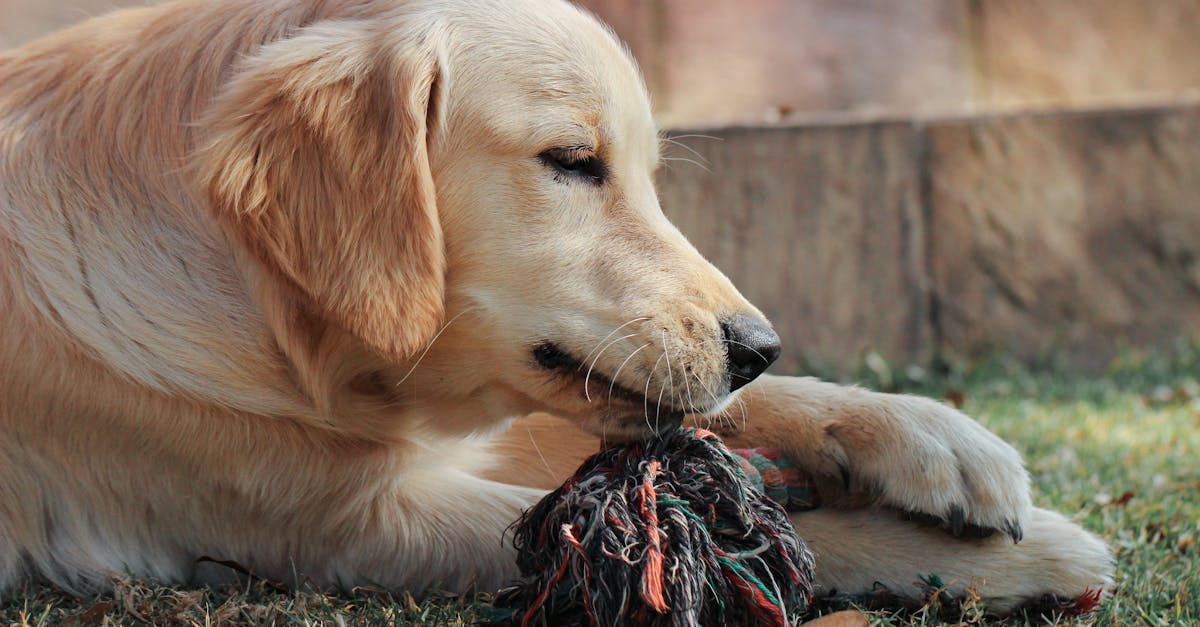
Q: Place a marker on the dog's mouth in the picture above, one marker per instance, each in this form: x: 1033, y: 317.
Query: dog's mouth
x: 599, y: 387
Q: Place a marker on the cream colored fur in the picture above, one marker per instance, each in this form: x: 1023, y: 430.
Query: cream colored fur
x: 272, y: 274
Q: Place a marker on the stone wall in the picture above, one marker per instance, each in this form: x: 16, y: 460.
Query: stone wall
x: 1069, y: 53
x: 1055, y: 235
x: 1066, y: 235
x: 716, y: 62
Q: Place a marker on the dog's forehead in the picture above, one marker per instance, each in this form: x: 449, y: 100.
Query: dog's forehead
x: 545, y: 67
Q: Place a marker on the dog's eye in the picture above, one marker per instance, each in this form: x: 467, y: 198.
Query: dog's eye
x: 576, y: 163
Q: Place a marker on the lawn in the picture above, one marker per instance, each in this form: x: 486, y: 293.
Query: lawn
x: 1121, y: 452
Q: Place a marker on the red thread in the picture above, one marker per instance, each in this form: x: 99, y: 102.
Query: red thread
x: 1086, y: 602
x: 652, y: 577
x: 558, y: 575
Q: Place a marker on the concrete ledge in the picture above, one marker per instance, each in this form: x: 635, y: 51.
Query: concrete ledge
x: 1061, y: 234
x: 1069, y: 234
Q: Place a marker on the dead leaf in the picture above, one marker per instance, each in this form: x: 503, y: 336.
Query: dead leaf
x: 848, y: 618
x: 1185, y: 544
x: 95, y: 614
x: 956, y: 398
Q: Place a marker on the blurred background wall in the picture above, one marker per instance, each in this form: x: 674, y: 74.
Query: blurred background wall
x: 753, y: 61
x: 922, y: 180
x: 24, y: 20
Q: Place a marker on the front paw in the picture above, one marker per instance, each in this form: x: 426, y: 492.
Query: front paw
x: 933, y: 462
x: 905, y: 452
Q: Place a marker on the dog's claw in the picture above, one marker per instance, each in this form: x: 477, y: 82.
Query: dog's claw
x: 1013, y: 528
x: 955, y: 524
x: 957, y: 519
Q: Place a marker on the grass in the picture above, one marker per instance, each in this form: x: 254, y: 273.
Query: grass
x: 1121, y: 451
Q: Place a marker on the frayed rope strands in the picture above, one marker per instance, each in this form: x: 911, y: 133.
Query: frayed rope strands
x: 776, y: 476
x: 668, y: 532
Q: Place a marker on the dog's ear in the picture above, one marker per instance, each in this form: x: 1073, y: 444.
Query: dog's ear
x: 316, y: 163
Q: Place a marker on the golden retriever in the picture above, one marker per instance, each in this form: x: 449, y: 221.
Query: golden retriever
x: 287, y: 283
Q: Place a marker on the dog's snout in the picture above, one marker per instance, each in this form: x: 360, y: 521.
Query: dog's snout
x: 751, y: 345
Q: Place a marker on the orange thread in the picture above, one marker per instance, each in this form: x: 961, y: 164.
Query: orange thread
x: 652, y: 576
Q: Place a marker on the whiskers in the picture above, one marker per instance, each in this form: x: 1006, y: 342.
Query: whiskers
x: 674, y: 399
x: 681, y: 388
x: 709, y: 416
x: 670, y: 378
x: 430, y: 344
x: 725, y: 417
x: 612, y: 382
x: 646, y: 391
x: 699, y: 160
x: 586, y: 392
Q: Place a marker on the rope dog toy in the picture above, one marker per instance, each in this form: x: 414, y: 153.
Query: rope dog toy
x: 666, y: 532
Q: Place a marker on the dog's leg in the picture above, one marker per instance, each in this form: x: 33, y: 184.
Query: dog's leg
x: 428, y: 527
x: 873, y: 454
x: 539, y: 450
x: 864, y: 552
x: 865, y: 448
x: 445, y: 532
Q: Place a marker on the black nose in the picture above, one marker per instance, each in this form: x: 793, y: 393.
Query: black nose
x: 751, y: 345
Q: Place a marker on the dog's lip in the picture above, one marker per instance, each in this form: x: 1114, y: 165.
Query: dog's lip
x: 550, y: 356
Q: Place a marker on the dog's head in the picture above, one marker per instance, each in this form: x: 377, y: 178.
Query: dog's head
x: 454, y: 208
